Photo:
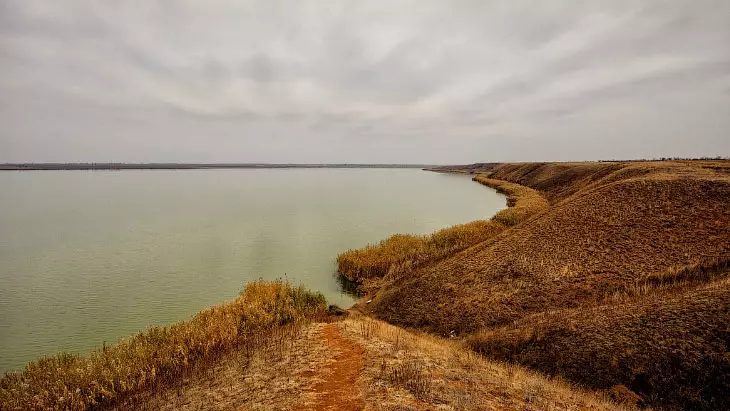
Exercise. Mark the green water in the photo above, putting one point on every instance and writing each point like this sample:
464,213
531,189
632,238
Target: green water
87,257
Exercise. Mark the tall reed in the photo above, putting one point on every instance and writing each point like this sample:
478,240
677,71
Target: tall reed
158,355
404,252
523,202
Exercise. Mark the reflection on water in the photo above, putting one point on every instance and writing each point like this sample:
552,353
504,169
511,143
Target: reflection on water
88,257
348,287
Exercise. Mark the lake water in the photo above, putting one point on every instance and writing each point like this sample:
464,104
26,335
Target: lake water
87,257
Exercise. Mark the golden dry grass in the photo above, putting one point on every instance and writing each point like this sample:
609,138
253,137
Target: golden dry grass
407,370
409,251
669,345
402,252
523,202
400,370
159,355
611,232
275,375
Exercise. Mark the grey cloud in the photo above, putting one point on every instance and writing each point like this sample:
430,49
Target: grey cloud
429,81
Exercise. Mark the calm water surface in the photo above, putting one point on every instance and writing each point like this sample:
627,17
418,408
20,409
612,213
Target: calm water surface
88,257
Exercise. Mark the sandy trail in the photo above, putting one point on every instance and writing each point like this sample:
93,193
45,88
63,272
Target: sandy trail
338,388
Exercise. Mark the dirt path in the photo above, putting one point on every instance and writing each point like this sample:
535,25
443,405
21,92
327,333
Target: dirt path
338,389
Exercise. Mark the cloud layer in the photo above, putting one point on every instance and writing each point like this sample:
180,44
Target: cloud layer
390,81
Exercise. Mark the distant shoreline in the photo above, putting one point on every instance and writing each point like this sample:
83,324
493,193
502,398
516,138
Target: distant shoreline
187,166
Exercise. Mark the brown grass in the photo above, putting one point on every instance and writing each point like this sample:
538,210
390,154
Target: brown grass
523,202
602,238
402,253
159,355
406,251
395,370
413,371
611,232
669,346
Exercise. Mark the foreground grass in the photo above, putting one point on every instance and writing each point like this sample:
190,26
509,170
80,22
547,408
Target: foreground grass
159,355
393,369
403,252
408,370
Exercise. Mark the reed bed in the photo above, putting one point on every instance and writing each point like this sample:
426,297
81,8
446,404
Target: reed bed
159,355
523,202
403,252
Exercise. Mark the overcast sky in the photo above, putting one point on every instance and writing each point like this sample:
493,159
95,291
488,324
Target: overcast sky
367,81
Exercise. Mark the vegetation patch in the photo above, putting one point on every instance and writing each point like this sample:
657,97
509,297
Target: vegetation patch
402,252
621,280
523,202
669,346
159,355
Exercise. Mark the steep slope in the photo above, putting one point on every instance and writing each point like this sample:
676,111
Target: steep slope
670,346
539,292
612,232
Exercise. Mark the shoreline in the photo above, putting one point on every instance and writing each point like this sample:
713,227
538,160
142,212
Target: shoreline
188,166
368,268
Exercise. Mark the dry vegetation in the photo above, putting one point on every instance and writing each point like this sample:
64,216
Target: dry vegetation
393,370
523,202
612,234
414,371
401,253
669,346
160,355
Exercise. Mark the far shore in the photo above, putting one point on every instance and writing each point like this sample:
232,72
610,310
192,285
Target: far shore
187,166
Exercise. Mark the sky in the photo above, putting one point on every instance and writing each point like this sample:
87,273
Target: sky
429,82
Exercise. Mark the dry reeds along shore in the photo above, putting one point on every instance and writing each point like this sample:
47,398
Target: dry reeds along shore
159,355
404,252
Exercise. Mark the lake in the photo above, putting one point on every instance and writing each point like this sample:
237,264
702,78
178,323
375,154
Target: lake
87,257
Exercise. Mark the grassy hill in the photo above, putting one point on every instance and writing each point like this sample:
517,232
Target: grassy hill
275,347
608,227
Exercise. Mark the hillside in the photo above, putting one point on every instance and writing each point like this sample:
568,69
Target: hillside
274,348
608,227
364,364
669,344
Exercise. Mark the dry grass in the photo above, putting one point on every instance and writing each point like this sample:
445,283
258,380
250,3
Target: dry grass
413,371
523,202
612,232
402,253
669,346
604,237
273,376
673,280
159,355
401,370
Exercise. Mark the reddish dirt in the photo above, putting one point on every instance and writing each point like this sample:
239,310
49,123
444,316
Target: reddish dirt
338,389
